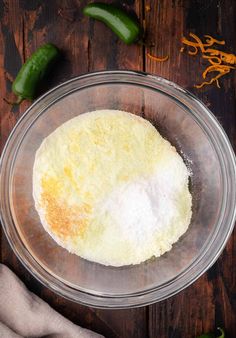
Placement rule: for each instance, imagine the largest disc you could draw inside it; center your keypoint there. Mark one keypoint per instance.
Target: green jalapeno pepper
(31, 74)
(127, 29)
(211, 335)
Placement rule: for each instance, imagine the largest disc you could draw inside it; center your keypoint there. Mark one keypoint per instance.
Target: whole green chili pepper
(211, 335)
(207, 335)
(127, 29)
(31, 74)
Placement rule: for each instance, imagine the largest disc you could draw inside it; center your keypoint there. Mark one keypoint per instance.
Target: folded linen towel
(23, 314)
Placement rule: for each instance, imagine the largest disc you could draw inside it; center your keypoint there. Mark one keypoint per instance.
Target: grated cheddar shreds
(220, 62)
(158, 59)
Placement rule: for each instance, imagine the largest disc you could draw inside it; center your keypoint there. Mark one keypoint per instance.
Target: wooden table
(89, 46)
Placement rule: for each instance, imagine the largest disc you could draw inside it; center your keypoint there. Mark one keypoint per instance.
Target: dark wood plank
(86, 46)
(211, 301)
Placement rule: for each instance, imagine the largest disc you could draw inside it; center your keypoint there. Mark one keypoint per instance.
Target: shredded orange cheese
(220, 62)
(210, 40)
(156, 58)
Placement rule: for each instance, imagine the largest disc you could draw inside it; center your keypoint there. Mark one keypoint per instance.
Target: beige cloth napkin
(23, 314)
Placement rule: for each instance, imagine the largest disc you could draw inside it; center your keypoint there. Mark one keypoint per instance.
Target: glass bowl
(187, 124)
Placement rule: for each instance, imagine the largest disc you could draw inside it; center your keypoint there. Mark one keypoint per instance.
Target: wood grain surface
(87, 46)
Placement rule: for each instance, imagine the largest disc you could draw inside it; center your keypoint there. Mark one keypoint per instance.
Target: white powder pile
(154, 206)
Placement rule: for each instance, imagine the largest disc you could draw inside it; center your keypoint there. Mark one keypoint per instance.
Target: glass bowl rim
(192, 272)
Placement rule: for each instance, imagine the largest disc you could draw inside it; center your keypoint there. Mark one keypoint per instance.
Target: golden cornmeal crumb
(63, 220)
